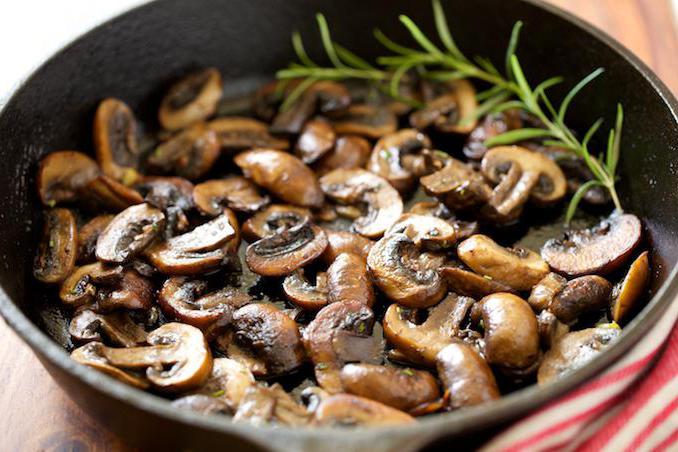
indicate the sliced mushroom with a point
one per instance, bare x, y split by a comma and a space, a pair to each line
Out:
491, 126
466, 376
188, 301
511, 332
228, 382
300, 291
518, 268
581, 295
632, 288
574, 350
62, 174
118, 327
426, 231
271, 404
348, 280
271, 335
288, 250
388, 154
365, 120
88, 236
236, 133
404, 273
132, 291
339, 334
348, 410
129, 233
266, 99
172, 195
449, 111
235, 192
316, 139
92, 355
349, 152
339, 242
284, 175
465, 282
176, 359
598, 250
421, 343
104, 192
402, 389
541, 177
58, 248
273, 220
323, 97
550, 329
458, 186
115, 141
189, 154
80, 287
191, 99
545, 291
357, 186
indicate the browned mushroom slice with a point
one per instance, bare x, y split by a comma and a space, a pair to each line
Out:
574, 350
632, 288
388, 154
404, 273
286, 251
598, 250
348, 410
348, 280
272, 335
115, 141
118, 327
339, 334
236, 133
433, 208
171, 261
284, 175
518, 268
426, 231
365, 120
188, 301
58, 248
421, 343
466, 375
262, 405
457, 185
206, 237
267, 99
339, 242
403, 389
191, 99
358, 186
228, 382
450, 110
323, 97
92, 355
465, 282
81, 286
491, 126
273, 220
349, 151
300, 291
88, 235
104, 192
235, 192
545, 291
132, 291
540, 176
189, 154
172, 195
177, 357
62, 174
550, 329
129, 233
511, 332
580, 296
316, 139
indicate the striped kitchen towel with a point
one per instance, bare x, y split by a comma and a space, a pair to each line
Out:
633, 406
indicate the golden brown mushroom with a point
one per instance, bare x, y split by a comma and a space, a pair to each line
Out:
191, 99
62, 174
58, 248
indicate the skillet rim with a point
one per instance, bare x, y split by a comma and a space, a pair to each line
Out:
509, 407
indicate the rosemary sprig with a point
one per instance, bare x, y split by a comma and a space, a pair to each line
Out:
507, 91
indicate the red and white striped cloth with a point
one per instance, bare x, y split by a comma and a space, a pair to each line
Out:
633, 406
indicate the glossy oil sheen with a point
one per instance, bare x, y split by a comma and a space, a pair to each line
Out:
136, 56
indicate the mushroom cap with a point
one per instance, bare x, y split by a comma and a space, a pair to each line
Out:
190, 153
386, 158
457, 185
346, 409
365, 120
490, 126
348, 280
632, 288
465, 282
118, 327
316, 139
300, 291
272, 220
426, 231
339, 242
581, 295
58, 248
544, 291
229, 381
451, 110
384, 205
115, 141
92, 355
61, 175
349, 151
80, 286
88, 235
191, 99
282, 174
235, 192
238, 133
104, 192
598, 250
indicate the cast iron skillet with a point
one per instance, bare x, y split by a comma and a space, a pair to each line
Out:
136, 55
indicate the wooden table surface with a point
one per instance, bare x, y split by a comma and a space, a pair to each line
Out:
37, 415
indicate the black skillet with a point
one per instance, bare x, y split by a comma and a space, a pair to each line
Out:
136, 55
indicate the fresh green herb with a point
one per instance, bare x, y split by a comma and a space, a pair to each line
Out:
52, 243
407, 371
218, 393
51, 203
361, 327
488, 277
321, 366
610, 325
